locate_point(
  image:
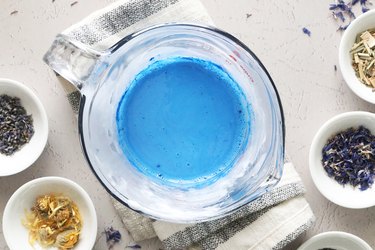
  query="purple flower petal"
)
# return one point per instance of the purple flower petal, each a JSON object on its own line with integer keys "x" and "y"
{"x": 365, "y": 9}
{"x": 354, "y": 2}
{"x": 306, "y": 31}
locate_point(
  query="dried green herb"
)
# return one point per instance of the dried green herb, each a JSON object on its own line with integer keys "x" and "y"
{"x": 363, "y": 57}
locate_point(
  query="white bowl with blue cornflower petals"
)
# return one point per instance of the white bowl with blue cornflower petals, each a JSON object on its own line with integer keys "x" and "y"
{"x": 335, "y": 240}
{"x": 343, "y": 195}
{"x": 29, "y": 152}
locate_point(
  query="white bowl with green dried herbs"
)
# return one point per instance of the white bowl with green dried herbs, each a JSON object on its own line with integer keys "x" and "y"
{"x": 342, "y": 159}
{"x": 23, "y": 127}
{"x": 357, "y": 56}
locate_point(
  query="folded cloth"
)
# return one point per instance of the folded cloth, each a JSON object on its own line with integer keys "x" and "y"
{"x": 269, "y": 222}
{"x": 107, "y": 26}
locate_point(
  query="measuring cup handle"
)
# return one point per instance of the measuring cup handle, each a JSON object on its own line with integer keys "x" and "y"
{"x": 72, "y": 60}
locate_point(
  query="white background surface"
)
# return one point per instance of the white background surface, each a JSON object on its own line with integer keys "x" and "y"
{"x": 301, "y": 66}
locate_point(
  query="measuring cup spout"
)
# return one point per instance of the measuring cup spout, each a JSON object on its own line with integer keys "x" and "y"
{"x": 72, "y": 60}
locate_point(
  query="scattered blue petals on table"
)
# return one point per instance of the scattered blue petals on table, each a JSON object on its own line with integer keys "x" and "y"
{"x": 349, "y": 157}
{"x": 134, "y": 247}
{"x": 365, "y": 9}
{"x": 343, "y": 12}
{"x": 339, "y": 15}
{"x": 343, "y": 27}
{"x": 354, "y": 2}
{"x": 112, "y": 236}
{"x": 341, "y": 6}
{"x": 306, "y": 31}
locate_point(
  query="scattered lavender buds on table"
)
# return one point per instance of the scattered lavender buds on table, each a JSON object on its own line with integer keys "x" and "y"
{"x": 16, "y": 127}
{"x": 349, "y": 157}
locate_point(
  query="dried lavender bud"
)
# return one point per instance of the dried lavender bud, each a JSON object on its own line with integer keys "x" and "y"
{"x": 349, "y": 157}
{"x": 16, "y": 127}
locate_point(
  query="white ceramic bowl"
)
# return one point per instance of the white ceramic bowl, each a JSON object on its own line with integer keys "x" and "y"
{"x": 30, "y": 152}
{"x": 360, "y": 24}
{"x": 335, "y": 240}
{"x": 346, "y": 196}
{"x": 16, "y": 235}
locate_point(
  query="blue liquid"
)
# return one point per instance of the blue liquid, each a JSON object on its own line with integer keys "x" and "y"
{"x": 183, "y": 119}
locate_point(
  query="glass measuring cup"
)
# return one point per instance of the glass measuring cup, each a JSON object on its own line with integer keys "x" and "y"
{"x": 103, "y": 76}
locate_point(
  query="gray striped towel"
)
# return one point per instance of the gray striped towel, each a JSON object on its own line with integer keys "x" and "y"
{"x": 270, "y": 222}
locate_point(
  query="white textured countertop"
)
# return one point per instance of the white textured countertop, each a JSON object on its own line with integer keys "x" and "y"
{"x": 301, "y": 66}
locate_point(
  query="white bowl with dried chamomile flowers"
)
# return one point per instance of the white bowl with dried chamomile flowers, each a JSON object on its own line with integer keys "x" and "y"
{"x": 50, "y": 213}
{"x": 357, "y": 56}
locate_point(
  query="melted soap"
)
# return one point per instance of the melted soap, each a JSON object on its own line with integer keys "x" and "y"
{"x": 183, "y": 119}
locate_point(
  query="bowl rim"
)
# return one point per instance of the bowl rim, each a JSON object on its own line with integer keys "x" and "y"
{"x": 323, "y": 235}
{"x": 44, "y": 119}
{"x": 314, "y": 151}
{"x": 51, "y": 179}
{"x": 347, "y": 75}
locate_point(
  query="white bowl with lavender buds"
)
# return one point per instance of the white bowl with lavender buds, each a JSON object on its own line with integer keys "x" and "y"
{"x": 362, "y": 84}
{"x": 342, "y": 159}
{"x": 23, "y": 127}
